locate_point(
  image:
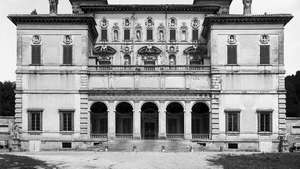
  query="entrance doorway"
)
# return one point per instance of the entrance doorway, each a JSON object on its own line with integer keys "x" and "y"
{"x": 149, "y": 121}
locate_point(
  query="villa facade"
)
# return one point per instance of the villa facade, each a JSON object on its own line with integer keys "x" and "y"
{"x": 189, "y": 72}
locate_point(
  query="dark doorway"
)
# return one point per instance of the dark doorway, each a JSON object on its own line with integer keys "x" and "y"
{"x": 98, "y": 118}
{"x": 124, "y": 118}
{"x": 175, "y": 119}
{"x": 200, "y": 119}
{"x": 149, "y": 121}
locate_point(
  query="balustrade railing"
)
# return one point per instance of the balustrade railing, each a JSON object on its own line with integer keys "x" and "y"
{"x": 124, "y": 136}
{"x": 201, "y": 136}
{"x": 151, "y": 68}
{"x": 175, "y": 136}
{"x": 98, "y": 136}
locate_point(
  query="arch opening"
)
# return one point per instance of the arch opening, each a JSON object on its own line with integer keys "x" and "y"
{"x": 124, "y": 119}
{"x": 200, "y": 119}
{"x": 98, "y": 118}
{"x": 149, "y": 121}
{"x": 175, "y": 119}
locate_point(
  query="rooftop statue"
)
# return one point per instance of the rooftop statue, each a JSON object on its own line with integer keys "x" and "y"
{"x": 247, "y": 7}
{"x": 53, "y": 6}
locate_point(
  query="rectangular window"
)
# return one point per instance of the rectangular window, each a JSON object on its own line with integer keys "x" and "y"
{"x": 264, "y": 54}
{"x": 233, "y": 121}
{"x": 126, "y": 34}
{"x": 36, "y": 54}
{"x": 66, "y": 120}
{"x": 149, "y": 34}
{"x": 231, "y": 54}
{"x": 67, "y": 54}
{"x": 172, "y": 35}
{"x": 195, "y": 34}
{"x": 264, "y": 121}
{"x": 35, "y": 120}
{"x": 103, "y": 35}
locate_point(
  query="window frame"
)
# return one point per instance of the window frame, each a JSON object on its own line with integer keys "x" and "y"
{"x": 147, "y": 34}
{"x": 125, "y": 37}
{"x": 64, "y": 57}
{"x": 264, "y": 112}
{"x": 193, "y": 33}
{"x": 30, "y": 112}
{"x": 261, "y": 57}
{"x": 238, "y": 121}
{"x": 175, "y": 38}
{"x": 40, "y": 54}
{"x": 106, "y": 35}
{"x": 236, "y": 54}
{"x": 61, "y": 120}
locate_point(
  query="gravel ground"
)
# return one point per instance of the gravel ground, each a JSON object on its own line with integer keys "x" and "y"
{"x": 126, "y": 160}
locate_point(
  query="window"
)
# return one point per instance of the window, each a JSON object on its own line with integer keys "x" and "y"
{"x": 126, "y": 34}
{"x": 232, "y": 121}
{"x": 36, "y": 54}
{"x": 67, "y": 54}
{"x": 264, "y": 54}
{"x": 66, "y": 145}
{"x": 233, "y": 146}
{"x": 149, "y": 34}
{"x": 66, "y": 120}
{"x": 264, "y": 121}
{"x": 172, "y": 35}
{"x": 231, "y": 54}
{"x": 195, "y": 34}
{"x": 103, "y": 35}
{"x": 35, "y": 120}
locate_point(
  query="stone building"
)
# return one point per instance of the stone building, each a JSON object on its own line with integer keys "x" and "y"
{"x": 192, "y": 73}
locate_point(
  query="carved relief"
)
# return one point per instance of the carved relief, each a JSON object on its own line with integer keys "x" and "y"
{"x": 149, "y": 53}
{"x": 36, "y": 39}
{"x": 104, "y": 54}
{"x": 247, "y": 7}
{"x": 104, "y": 23}
{"x": 232, "y": 39}
{"x": 67, "y": 39}
{"x": 172, "y": 22}
{"x": 127, "y": 22}
{"x": 195, "y": 23}
{"x": 149, "y": 22}
{"x": 53, "y": 6}
{"x": 264, "y": 39}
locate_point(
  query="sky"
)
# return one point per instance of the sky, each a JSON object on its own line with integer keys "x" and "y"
{"x": 8, "y": 40}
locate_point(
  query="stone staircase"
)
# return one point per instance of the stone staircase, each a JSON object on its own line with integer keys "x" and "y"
{"x": 150, "y": 145}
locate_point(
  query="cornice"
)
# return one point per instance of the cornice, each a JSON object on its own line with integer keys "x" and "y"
{"x": 157, "y": 8}
{"x": 243, "y": 19}
{"x": 57, "y": 19}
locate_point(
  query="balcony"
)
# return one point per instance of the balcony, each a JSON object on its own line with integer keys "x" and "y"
{"x": 149, "y": 68}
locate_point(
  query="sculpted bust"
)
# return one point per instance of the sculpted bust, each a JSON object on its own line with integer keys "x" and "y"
{"x": 247, "y": 7}
{"x": 53, "y": 6}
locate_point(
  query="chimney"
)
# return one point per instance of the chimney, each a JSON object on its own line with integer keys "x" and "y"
{"x": 247, "y": 7}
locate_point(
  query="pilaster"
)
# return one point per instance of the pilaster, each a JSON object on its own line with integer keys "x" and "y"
{"x": 18, "y": 100}
{"x": 162, "y": 132}
{"x": 188, "y": 121}
{"x": 137, "y": 121}
{"x": 215, "y": 101}
{"x": 111, "y": 122}
{"x": 281, "y": 106}
{"x": 84, "y": 113}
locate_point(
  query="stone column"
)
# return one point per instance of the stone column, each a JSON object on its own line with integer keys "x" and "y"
{"x": 136, "y": 121}
{"x": 162, "y": 121}
{"x": 111, "y": 120}
{"x": 188, "y": 121}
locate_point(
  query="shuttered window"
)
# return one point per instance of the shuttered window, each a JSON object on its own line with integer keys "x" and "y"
{"x": 264, "y": 121}
{"x": 67, "y": 54}
{"x": 66, "y": 120}
{"x": 126, "y": 34}
{"x": 104, "y": 35}
{"x": 172, "y": 35}
{"x": 35, "y": 120}
{"x": 264, "y": 54}
{"x": 233, "y": 121}
{"x": 149, "y": 34}
{"x": 36, "y": 54}
{"x": 195, "y": 34}
{"x": 231, "y": 54}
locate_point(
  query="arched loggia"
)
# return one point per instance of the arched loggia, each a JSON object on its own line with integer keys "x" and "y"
{"x": 175, "y": 119}
{"x": 200, "y": 120}
{"x": 98, "y": 118}
{"x": 149, "y": 121}
{"x": 124, "y": 119}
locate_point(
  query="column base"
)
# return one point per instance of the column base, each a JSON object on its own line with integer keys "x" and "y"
{"x": 162, "y": 136}
{"x": 111, "y": 136}
{"x": 188, "y": 136}
{"x": 137, "y": 136}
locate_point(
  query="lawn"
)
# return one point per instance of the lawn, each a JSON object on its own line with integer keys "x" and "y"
{"x": 258, "y": 161}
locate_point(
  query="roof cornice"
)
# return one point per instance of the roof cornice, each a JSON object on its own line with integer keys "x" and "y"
{"x": 178, "y": 8}
{"x": 243, "y": 19}
{"x": 56, "y": 19}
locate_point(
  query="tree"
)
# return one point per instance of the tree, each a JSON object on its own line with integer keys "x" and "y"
{"x": 292, "y": 85}
{"x": 7, "y": 98}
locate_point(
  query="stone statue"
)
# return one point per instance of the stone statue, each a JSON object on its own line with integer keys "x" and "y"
{"x": 34, "y": 12}
{"x": 15, "y": 132}
{"x": 247, "y": 7}
{"x": 53, "y": 6}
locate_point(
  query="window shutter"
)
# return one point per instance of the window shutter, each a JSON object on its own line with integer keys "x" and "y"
{"x": 231, "y": 54}
{"x": 67, "y": 58}
{"x": 61, "y": 121}
{"x": 29, "y": 121}
{"x": 36, "y": 54}
{"x": 104, "y": 35}
{"x": 149, "y": 34}
{"x": 41, "y": 121}
{"x": 72, "y": 121}
{"x": 195, "y": 34}
{"x": 126, "y": 34}
{"x": 264, "y": 54}
{"x": 172, "y": 34}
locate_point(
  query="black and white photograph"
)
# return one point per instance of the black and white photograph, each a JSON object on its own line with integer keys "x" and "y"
{"x": 149, "y": 84}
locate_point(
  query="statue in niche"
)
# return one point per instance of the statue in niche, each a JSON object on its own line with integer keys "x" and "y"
{"x": 15, "y": 132}
{"x": 247, "y": 7}
{"x": 138, "y": 35}
{"x": 161, "y": 35}
{"x": 116, "y": 35}
{"x": 53, "y": 6}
